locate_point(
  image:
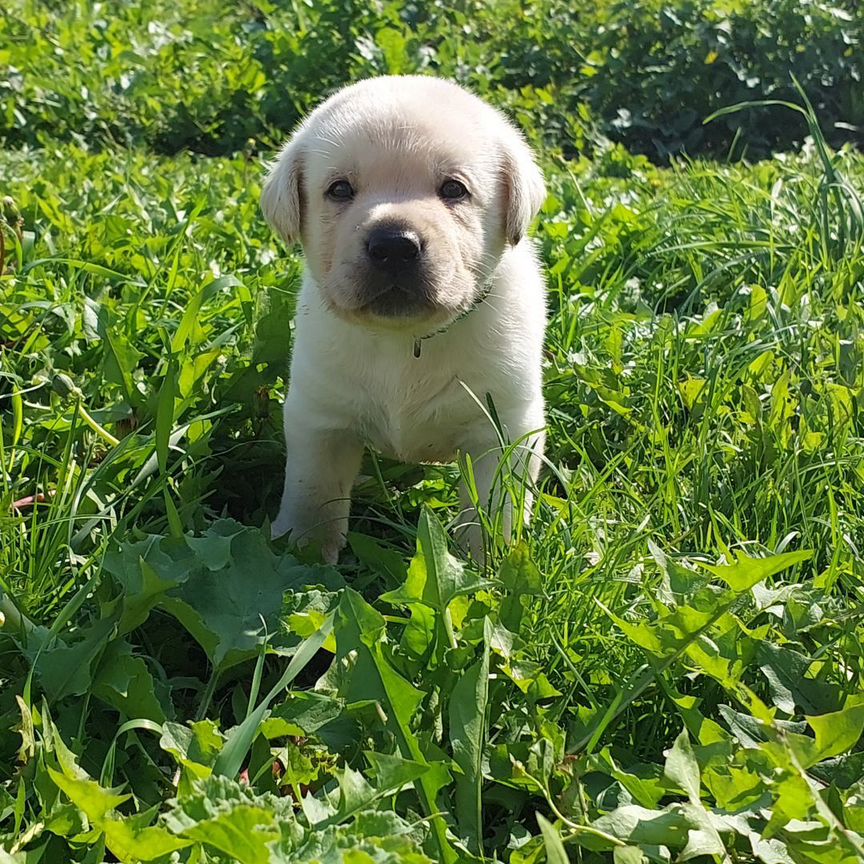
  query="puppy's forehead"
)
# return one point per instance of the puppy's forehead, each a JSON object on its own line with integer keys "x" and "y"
{"x": 394, "y": 134}
{"x": 433, "y": 128}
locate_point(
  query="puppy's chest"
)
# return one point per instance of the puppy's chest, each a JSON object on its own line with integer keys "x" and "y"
{"x": 416, "y": 418}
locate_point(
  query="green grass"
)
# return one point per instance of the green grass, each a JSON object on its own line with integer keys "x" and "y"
{"x": 667, "y": 667}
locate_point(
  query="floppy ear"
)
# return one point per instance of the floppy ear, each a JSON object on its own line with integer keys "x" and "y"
{"x": 524, "y": 189}
{"x": 281, "y": 198}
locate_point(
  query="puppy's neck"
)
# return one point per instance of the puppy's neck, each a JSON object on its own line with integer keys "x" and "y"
{"x": 488, "y": 285}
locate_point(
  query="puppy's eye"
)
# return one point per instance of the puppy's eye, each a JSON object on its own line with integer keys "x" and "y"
{"x": 453, "y": 190}
{"x": 341, "y": 190}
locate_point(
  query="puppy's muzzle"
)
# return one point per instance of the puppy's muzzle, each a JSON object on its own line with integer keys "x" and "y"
{"x": 393, "y": 250}
{"x": 396, "y": 282}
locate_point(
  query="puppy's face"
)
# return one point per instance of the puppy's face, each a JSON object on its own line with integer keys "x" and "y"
{"x": 404, "y": 220}
{"x": 404, "y": 192}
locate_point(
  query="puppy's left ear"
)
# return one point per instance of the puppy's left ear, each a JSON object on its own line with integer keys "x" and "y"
{"x": 524, "y": 189}
{"x": 282, "y": 196}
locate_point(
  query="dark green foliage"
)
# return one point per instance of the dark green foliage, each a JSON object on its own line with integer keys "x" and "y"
{"x": 217, "y": 78}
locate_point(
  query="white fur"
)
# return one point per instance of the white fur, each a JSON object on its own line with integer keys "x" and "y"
{"x": 354, "y": 377}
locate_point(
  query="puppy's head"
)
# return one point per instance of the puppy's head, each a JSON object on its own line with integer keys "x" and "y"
{"x": 404, "y": 192}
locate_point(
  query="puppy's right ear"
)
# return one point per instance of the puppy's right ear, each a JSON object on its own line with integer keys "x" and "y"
{"x": 525, "y": 190}
{"x": 282, "y": 196}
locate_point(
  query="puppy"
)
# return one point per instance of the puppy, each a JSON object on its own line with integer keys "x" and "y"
{"x": 421, "y": 298}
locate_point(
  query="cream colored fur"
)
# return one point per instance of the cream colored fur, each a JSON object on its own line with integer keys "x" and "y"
{"x": 354, "y": 377}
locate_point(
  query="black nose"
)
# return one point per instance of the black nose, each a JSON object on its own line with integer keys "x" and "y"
{"x": 393, "y": 249}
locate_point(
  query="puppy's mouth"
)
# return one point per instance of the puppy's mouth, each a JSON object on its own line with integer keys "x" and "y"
{"x": 411, "y": 302}
{"x": 397, "y": 300}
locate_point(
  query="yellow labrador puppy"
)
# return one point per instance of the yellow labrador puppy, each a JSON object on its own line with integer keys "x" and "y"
{"x": 421, "y": 297}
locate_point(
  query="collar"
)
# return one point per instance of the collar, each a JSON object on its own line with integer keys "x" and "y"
{"x": 481, "y": 298}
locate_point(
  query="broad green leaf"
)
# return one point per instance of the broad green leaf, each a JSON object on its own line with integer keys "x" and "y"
{"x": 302, "y": 713}
{"x": 839, "y": 731}
{"x": 733, "y": 788}
{"x": 359, "y": 630}
{"x": 682, "y": 768}
{"x": 193, "y": 371}
{"x": 119, "y": 356}
{"x": 125, "y": 682}
{"x": 758, "y": 304}
{"x": 144, "y": 590}
{"x": 672, "y": 631}
{"x": 467, "y": 709}
{"x": 435, "y": 577}
{"x": 88, "y": 796}
{"x": 643, "y": 827}
{"x": 356, "y": 793}
{"x": 392, "y": 43}
{"x": 762, "y": 364}
{"x": 189, "y": 325}
{"x": 709, "y": 323}
{"x": 131, "y": 842}
{"x": 226, "y": 587}
{"x": 529, "y": 678}
{"x": 787, "y": 673}
{"x": 377, "y": 557}
{"x": 196, "y": 746}
{"x": 704, "y": 840}
{"x": 519, "y": 573}
{"x": 747, "y": 572}
{"x": 64, "y": 669}
{"x": 520, "y": 576}
{"x": 227, "y": 610}
{"x": 677, "y": 579}
{"x": 752, "y": 413}
{"x": 749, "y": 732}
{"x": 419, "y": 634}
{"x": 299, "y": 768}
{"x": 17, "y": 417}
{"x": 244, "y": 833}
{"x": 691, "y": 391}
{"x": 793, "y": 799}
{"x": 628, "y": 855}
{"x": 127, "y": 838}
{"x": 392, "y": 773}
{"x": 770, "y": 851}
{"x": 66, "y": 820}
{"x": 646, "y": 790}
{"x": 374, "y": 837}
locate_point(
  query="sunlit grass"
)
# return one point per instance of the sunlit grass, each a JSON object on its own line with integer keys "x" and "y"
{"x": 703, "y": 376}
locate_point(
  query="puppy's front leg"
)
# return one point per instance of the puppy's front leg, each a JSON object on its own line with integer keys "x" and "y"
{"x": 321, "y": 466}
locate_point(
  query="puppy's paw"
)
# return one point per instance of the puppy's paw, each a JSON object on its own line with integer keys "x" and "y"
{"x": 330, "y": 551}
{"x": 328, "y": 542}
{"x": 280, "y": 527}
